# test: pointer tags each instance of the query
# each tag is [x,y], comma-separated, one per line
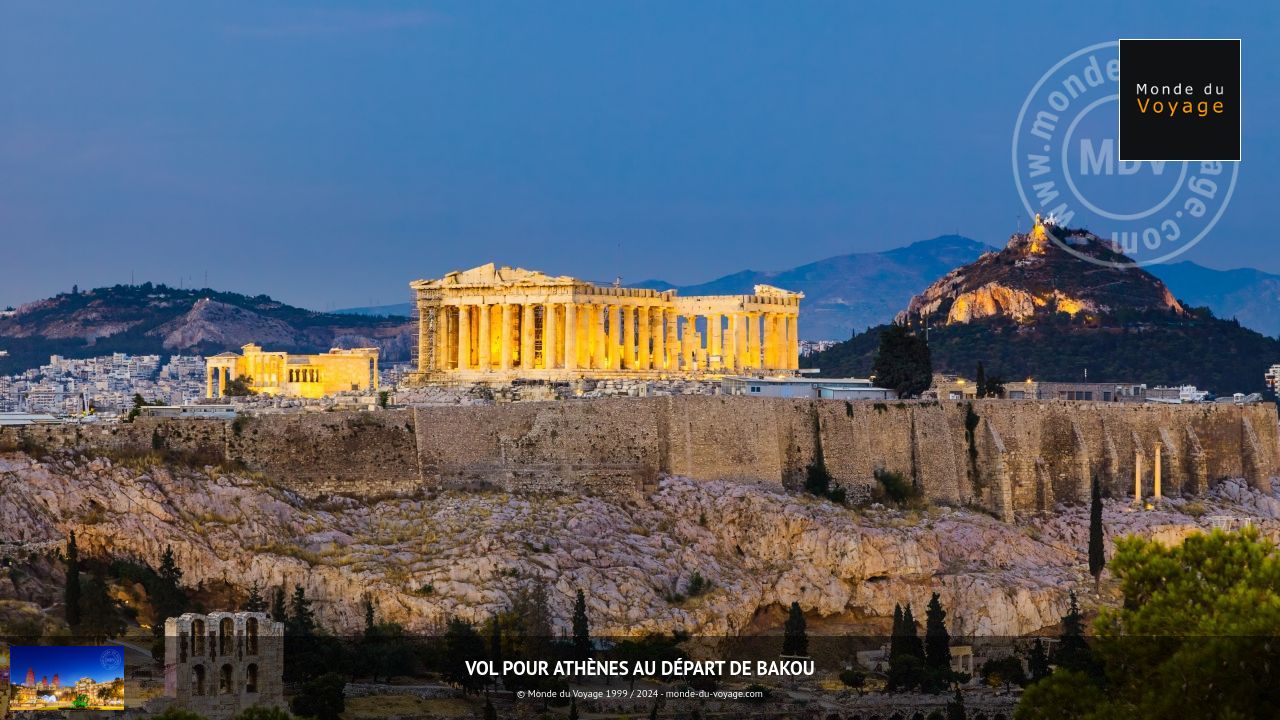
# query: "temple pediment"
[771,291]
[490,275]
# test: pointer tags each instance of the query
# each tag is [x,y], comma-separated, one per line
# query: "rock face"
[1036,276]
[463,554]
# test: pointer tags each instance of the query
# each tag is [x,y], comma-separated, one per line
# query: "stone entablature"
[219,664]
[501,324]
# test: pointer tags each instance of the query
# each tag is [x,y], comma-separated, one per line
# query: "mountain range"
[156,319]
[847,293]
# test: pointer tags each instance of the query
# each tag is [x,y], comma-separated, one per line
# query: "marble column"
[444,338]
[715,344]
[730,345]
[642,343]
[673,340]
[658,329]
[208,381]
[549,340]
[628,337]
[793,341]
[570,336]
[424,320]
[464,337]
[753,340]
[614,359]
[485,340]
[769,340]
[599,341]
[505,339]
[527,327]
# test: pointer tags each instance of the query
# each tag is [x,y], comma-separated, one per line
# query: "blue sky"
[328,153]
[70,663]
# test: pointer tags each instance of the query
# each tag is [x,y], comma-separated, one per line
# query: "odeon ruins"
[498,324]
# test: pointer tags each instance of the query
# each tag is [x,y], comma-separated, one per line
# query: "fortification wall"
[1009,456]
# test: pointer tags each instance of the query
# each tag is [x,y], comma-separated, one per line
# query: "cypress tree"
[71,596]
[368,616]
[1038,662]
[895,639]
[1097,555]
[795,639]
[302,621]
[937,645]
[581,629]
[278,612]
[495,644]
[255,602]
[911,634]
[981,381]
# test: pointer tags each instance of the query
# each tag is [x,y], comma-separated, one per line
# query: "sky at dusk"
[327,154]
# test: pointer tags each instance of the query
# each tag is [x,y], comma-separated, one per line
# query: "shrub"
[853,678]
[895,486]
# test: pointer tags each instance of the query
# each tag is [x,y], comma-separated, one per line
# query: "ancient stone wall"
[1005,455]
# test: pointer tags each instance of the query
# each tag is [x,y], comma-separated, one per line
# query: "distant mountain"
[1248,295]
[849,292]
[396,310]
[1034,310]
[155,319]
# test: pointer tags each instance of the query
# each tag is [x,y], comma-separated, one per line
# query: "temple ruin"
[498,324]
[219,664]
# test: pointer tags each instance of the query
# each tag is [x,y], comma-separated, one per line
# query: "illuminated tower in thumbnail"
[31,677]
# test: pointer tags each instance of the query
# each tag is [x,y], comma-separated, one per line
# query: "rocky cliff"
[432,555]
[1034,275]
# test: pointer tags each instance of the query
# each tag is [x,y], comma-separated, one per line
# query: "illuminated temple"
[502,324]
[272,372]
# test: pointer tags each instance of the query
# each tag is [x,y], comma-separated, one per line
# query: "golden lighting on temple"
[282,373]
[497,324]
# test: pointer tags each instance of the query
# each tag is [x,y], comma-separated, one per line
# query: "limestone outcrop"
[428,556]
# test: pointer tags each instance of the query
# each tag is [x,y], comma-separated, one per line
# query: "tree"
[1004,671]
[239,386]
[301,621]
[581,629]
[278,611]
[955,708]
[903,362]
[1097,553]
[906,654]
[97,612]
[573,709]
[937,646]
[980,381]
[321,698]
[367,601]
[1073,651]
[495,643]
[462,644]
[1037,662]
[168,598]
[255,602]
[795,639]
[1194,636]
[71,595]
[490,713]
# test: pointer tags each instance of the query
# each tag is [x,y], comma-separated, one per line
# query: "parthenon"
[497,324]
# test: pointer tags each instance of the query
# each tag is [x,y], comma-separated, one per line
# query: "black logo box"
[1183,64]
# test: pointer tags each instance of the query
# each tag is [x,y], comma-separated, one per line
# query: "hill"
[156,319]
[1035,310]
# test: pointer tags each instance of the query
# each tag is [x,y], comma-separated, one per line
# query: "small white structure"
[791,387]
[213,412]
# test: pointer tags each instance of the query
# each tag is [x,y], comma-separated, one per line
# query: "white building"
[825,388]
[1273,378]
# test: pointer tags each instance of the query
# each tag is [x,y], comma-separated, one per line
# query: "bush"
[853,678]
[258,712]
[321,698]
[697,585]
[895,486]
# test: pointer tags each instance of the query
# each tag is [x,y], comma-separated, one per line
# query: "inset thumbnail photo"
[89,677]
